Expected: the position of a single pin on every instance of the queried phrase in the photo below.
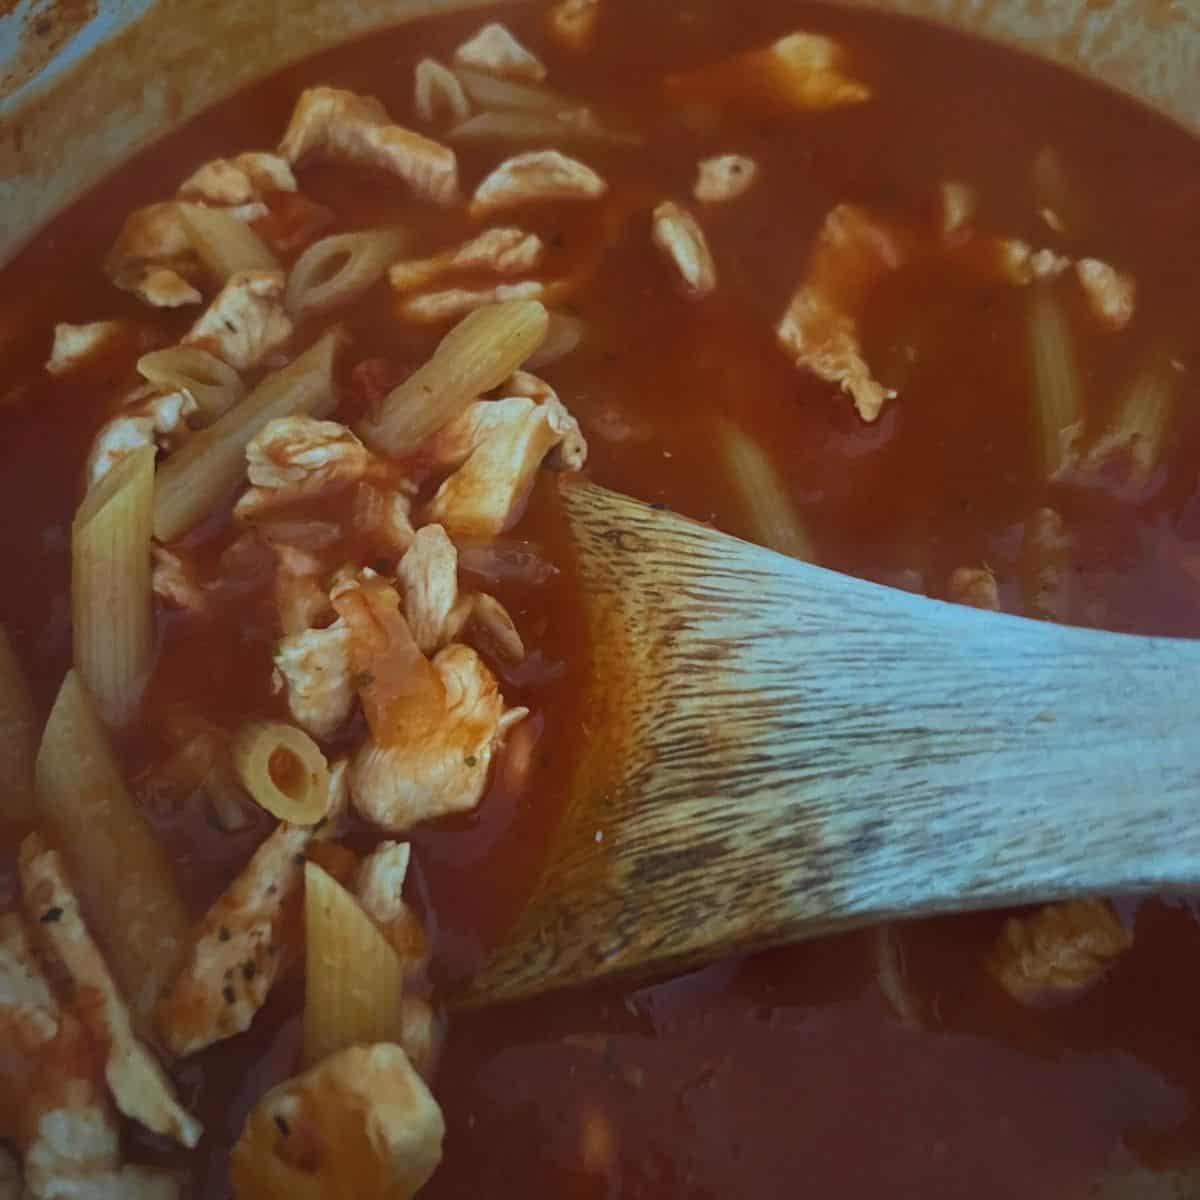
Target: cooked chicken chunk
(315, 667)
(798, 73)
(360, 1123)
(75, 345)
(506, 441)
(235, 955)
(419, 774)
(246, 323)
(494, 49)
(504, 251)
(439, 93)
(385, 516)
(1110, 295)
(149, 418)
(724, 177)
(155, 235)
(492, 625)
(533, 178)
(135, 1078)
(174, 581)
(357, 129)
(1021, 264)
(297, 458)
(572, 23)
(1062, 948)
(820, 329)
(958, 207)
(379, 888)
(161, 287)
(453, 303)
(975, 587)
(678, 235)
(428, 574)
(241, 180)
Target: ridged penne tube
(336, 269)
(353, 979)
(563, 336)
(214, 385)
(224, 244)
(122, 876)
(201, 475)
(1057, 389)
(772, 513)
(545, 129)
(17, 723)
(112, 604)
(478, 354)
(284, 770)
(490, 91)
(1137, 431)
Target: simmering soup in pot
(293, 654)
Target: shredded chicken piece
(958, 203)
(379, 889)
(241, 180)
(360, 1123)
(533, 178)
(724, 177)
(1110, 294)
(819, 329)
(357, 129)
(29, 1013)
(439, 93)
(572, 23)
(384, 515)
(506, 445)
(1021, 264)
(428, 573)
(174, 581)
(149, 418)
(976, 587)
(300, 599)
(491, 621)
(235, 955)
(154, 234)
(137, 1081)
(494, 49)
(504, 251)
(1062, 948)
(297, 458)
(798, 73)
(453, 303)
(417, 775)
(246, 322)
(679, 236)
(71, 1136)
(315, 667)
(161, 287)
(75, 345)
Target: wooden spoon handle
(779, 750)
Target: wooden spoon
(777, 751)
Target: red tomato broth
(756, 1076)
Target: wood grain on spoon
(776, 751)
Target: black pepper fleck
(51, 915)
(229, 994)
(298, 859)
(224, 934)
(43, 27)
(283, 1126)
(249, 970)
(470, 760)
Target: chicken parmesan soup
(294, 646)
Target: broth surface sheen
(799, 1070)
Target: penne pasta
(353, 979)
(1136, 434)
(201, 475)
(540, 128)
(1057, 388)
(124, 881)
(564, 333)
(336, 269)
(772, 513)
(284, 770)
(16, 739)
(478, 354)
(213, 384)
(224, 244)
(112, 604)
